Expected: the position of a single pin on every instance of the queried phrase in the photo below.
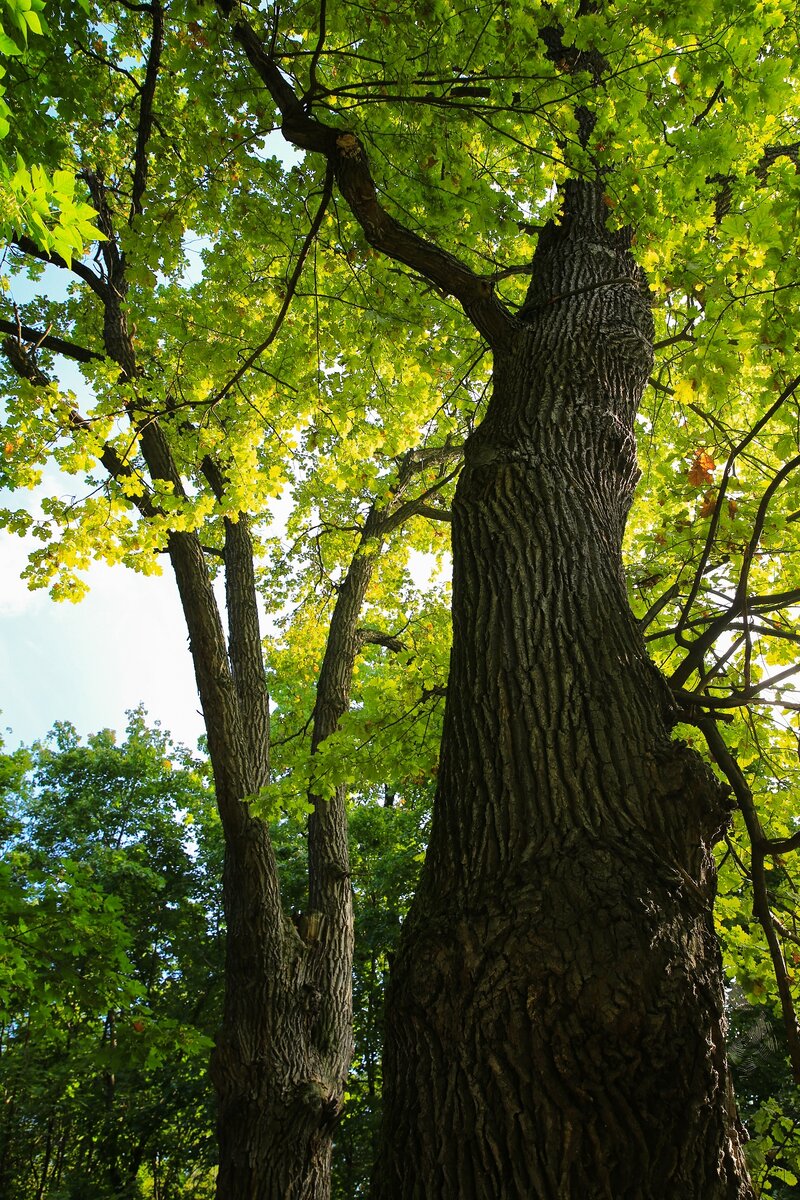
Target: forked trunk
(277, 1066)
(555, 1013)
(283, 1052)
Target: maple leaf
(701, 472)
(708, 505)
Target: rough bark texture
(282, 1055)
(555, 1016)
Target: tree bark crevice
(557, 995)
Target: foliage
(111, 961)
(33, 203)
(109, 968)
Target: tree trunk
(277, 1073)
(555, 1012)
(277, 1076)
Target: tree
(110, 974)
(559, 966)
(557, 997)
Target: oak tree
(557, 999)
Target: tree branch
(146, 110)
(25, 365)
(244, 643)
(657, 605)
(758, 524)
(736, 699)
(50, 342)
(411, 508)
(28, 246)
(291, 288)
(374, 637)
(759, 847)
(726, 474)
(346, 155)
(783, 845)
(312, 69)
(715, 95)
(434, 514)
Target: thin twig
(290, 291)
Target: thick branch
(434, 514)
(58, 345)
(346, 155)
(28, 246)
(783, 845)
(244, 640)
(374, 637)
(146, 109)
(413, 508)
(655, 608)
(23, 360)
(24, 363)
(771, 155)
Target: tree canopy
(110, 966)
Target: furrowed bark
(555, 1020)
(244, 639)
(282, 1058)
(328, 925)
(145, 124)
(327, 928)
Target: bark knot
(348, 145)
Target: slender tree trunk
(277, 1078)
(555, 1013)
(298, 1002)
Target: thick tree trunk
(555, 1013)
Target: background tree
(112, 968)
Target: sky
(124, 644)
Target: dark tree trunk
(278, 1078)
(277, 1069)
(555, 1012)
